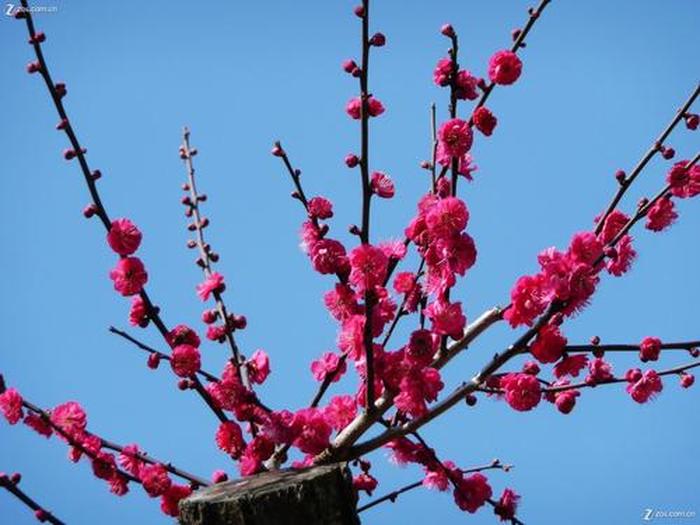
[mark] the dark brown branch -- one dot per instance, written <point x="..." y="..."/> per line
<point x="66" y="126"/>
<point x="686" y="345"/>
<point x="150" y="350"/>
<point x="653" y="150"/>
<point x="39" y="511"/>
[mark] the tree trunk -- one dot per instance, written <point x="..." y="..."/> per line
<point x="318" y="496"/>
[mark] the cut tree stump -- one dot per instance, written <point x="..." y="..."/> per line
<point x="317" y="496"/>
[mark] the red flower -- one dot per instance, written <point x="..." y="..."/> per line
<point x="328" y="364"/>
<point x="484" y="121"/>
<point x="507" y="505"/>
<point x="185" y="360"/>
<point x="70" y="418"/>
<point x="213" y="284"/>
<point x="129" y="276"/>
<point x="471" y="493"/>
<point x="646" y="387"/>
<point x="124" y="237"/>
<point x="320" y="208"/>
<point x="229" y="438"/>
<point x="455" y="138"/>
<point x="549" y="344"/>
<point x="368" y="267"/>
<point x="522" y="391"/>
<point x="169" y="503"/>
<point x="382" y="185"/>
<point x="661" y="215"/>
<point x="155" y="480"/>
<point x="505" y="67"/>
<point x="649" y="349"/>
<point x="258" y="367"/>
<point x="11" y="405"/>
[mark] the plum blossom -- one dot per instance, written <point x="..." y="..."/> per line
<point x="447" y="318"/>
<point x="340" y="411"/>
<point x="11" y="405"/>
<point x="328" y="256"/>
<point x="124" y="237"/>
<point x="646" y="387"/>
<point x="454" y="138"/>
<point x="549" y="344"/>
<point x="169" y="502"/>
<point x="185" y="360"/>
<point x="507" y="505"/>
<point x="320" y="208"/>
<point x="326" y="365"/>
<point x="684" y="181"/>
<point x="155" y="480"/>
<point x="504" y="67"/>
<point x="129" y="276"/>
<point x="258" y="366"/>
<point x="70" y="418"/>
<point x="661" y="215"/>
<point x="214" y="283"/>
<point x="649" y="349"/>
<point x="522" y="391"/>
<point x="484" y="120"/>
<point x="354" y="108"/>
<point x="368" y="267"/>
<point x="382" y="185"/>
<point x="229" y="438"/>
<point x="472" y="492"/>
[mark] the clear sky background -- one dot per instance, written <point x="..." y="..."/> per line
<point x="601" y="80"/>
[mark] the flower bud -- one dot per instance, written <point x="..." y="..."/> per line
<point x="182" y="152"/>
<point x="377" y="40"/>
<point x="41" y="515"/>
<point x="515" y="33"/>
<point x="595" y="340"/>
<point x="426" y="165"/>
<point x="69" y="154"/>
<point x="351" y="160"/>
<point x="61" y="90"/>
<point x="89" y="210"/>
<point x="668" y="153"/>
<point x="692" y="120"/>
<point x="209" y="316"/>
<point x="183" y="384"/>
<point x="62" y="125"/>
<point x="277" y="150"/>
<point x="38" y="38"/>
<point x="620" y="176"/>
<point x="349" y="65"/>
<point x="219" y="476"/>
<point x="16" y="478"/>
<point x="687" y="380"/>
<point x="97" y="174"/>
<point x="33" y="67"/>
<point x="470" y="399"/>
<point x="191" y="243"/>
<point x="447" y="30"/>
<point x="633" y="375"/>
<point x="532" y="368"/>
<point x="359" y="11"/>
<point x="153" y="361"/>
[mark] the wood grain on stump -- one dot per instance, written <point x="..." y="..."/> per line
<point x="317" y="496"/>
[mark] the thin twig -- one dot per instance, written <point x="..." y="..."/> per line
<point x="40" y="512"/>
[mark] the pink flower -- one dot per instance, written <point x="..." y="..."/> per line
<point x="466" y="86"/>
<point x="471" y="493"/>
<point x="328" y="256"/>
<point x="549" y="344"/>
<point x="314" y="431"/>
<point x="354" y="108"/>
<point x="155" y="480"/>
<point x="649" y="349"/>
<point x="436" y="476"/>
<point x="565" y="400"/>
<point x="455" y="138"/>
<point x="403" y="451"/>
<point x="484" y="121"/>
<point x="528" y="300"/>
<point x="687" y="380"/>
<point x="214" y="283"/>
<point x="320" y="208"/>
<point x="328" y="364"/>
<point x="585" y="248"/>
<point x="351" y="337"/>
<point x="382" y="185"/>
<point x="684" y="182"/>
<point x="404" y="282"/>
<point x="522" y="391"/>
<point x="661" y="215"/>
<point x="170" y="501"/>
<point x="599" y="371"/>
<point x="11" y="405"/>
<point x="185" y="360"/>
<point x="229" y="438"/>
<point x="129" y="459"/>
<point x="504" y="67"/>
<point x="364" y="482"/>
<point x="447" y="318"/>
<point x="309" y="235"/>
<point x="118" y="485"/>
<point x="124" y="237"/>
<point x="623" y="257"/>
<point x="38" y="424"/>
<point x="507" y="505"/>
<point x="442" y="72"/>
<point x="421" y="347"/>
<point x="71" y="418"/>
<point x="570" y="366"/>
<point x="417" y="387"/>
<point x="447" y="217"/>
<point x="613" y="225"/>
<point x="129" y="276"/>
<point x="340" y="411"/>
<point x="393" y="249"/>
<point x="258" y="367"/>
<point x="182" y="335"/>
<point x="646" y="387"/>
<point x="104" y="465"/>
<point x="138" y="313"/>
<point x="368" y="267"/>
<point x="341" y="302"/>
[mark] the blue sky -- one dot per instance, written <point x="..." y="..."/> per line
<point x="600" y="81"/>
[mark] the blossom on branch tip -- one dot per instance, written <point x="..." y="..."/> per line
<point x="599" y="371"/>
<point x="505" y="67"/>
<point x="170" y="501"/>
<point x="11" y="405"/>
<point x="472" y="492"/>
<point x="684" y="182"/>
<point x="328" y="256"/>
<point x="138" y="312"/>
<point x="365" y="482"/>
<point x="687" y="380"/>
